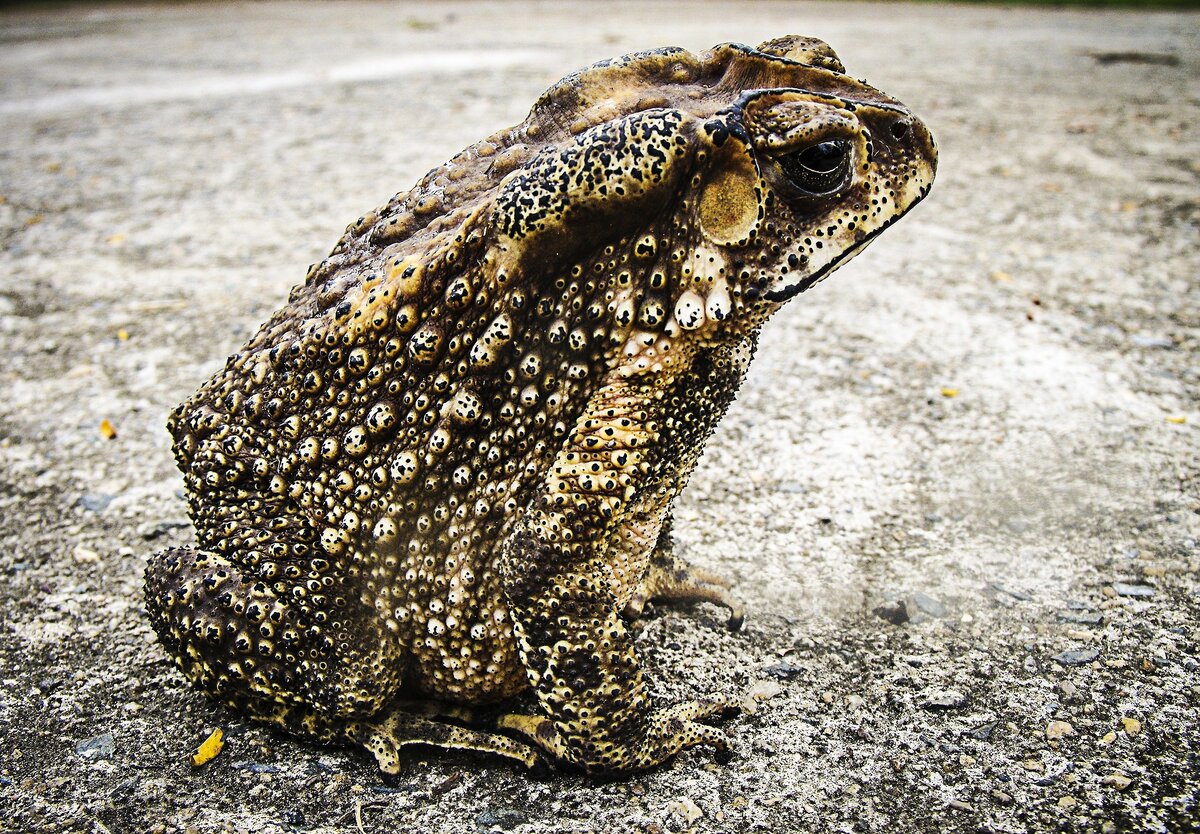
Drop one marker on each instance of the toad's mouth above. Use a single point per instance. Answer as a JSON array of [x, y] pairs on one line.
[[779, 296]]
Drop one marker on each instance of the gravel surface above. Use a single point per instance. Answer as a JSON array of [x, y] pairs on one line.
[[958, 493]]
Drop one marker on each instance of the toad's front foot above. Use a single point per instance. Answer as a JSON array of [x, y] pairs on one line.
[[670, 577], [640, 744]]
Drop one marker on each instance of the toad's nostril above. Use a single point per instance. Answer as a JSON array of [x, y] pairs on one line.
[[900, 128]]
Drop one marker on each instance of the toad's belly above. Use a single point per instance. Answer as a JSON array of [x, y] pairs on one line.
[[461, 647]]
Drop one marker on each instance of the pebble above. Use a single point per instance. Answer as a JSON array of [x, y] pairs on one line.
[[984, 731], [1067, 802], [764, 690], [99, 748], [929, 605], [943, 699], [1002, 798], [502, 818], [1117, 780], [1077, 657], [85, 555], [1067, 690], [1108, 738], [1083, 617], [1056, 730], [153, 529], [687, 810], [1125, 589], [783, 671], [95, 502], [256, 767], [1131, 726], [1145, 341]]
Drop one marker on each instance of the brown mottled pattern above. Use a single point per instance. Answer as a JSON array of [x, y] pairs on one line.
[[443, 473]]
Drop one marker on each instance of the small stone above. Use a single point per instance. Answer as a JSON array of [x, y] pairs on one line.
[[1067, 802], [99, 748], [502, 818], [1149, 341], [687, 810], [1131, 726], [944, 699], [984, 731], [1125, 589], [959, 805], [1056, 730], [95, 502], [895, 613], [85, 555], [783, 671], [1077, 657], [929, 605], [1108, 738], [294, 818], [153, 529], [1117, 780], [1067, 690], [1083, 617], [1034, 765], [1001, 798], [765, 690]]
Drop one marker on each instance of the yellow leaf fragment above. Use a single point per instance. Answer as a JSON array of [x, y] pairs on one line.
[[1177, 419], [123, 335], [209, 749], [949, 393], [115, 240], [1001, 275], [108, 430]]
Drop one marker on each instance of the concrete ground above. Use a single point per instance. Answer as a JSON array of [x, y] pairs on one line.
[[958, 493]]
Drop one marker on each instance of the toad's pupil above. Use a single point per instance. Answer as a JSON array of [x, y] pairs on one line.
[[823, 158]]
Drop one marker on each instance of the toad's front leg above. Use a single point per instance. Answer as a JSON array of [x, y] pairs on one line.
[[558, 584]]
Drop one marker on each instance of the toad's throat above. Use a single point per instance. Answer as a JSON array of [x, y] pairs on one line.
[[779, 296]]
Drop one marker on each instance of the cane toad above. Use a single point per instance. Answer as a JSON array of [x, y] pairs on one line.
[[442, 474]]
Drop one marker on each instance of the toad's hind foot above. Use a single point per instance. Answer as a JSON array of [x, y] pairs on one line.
[[384, 737], [661, 734], [673, 578]]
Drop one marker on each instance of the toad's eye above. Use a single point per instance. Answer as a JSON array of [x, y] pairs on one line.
[[818, 169]]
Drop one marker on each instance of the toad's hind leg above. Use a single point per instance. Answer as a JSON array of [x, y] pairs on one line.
[[237, 639], [384, 737], [671, 577], [258, 646]]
